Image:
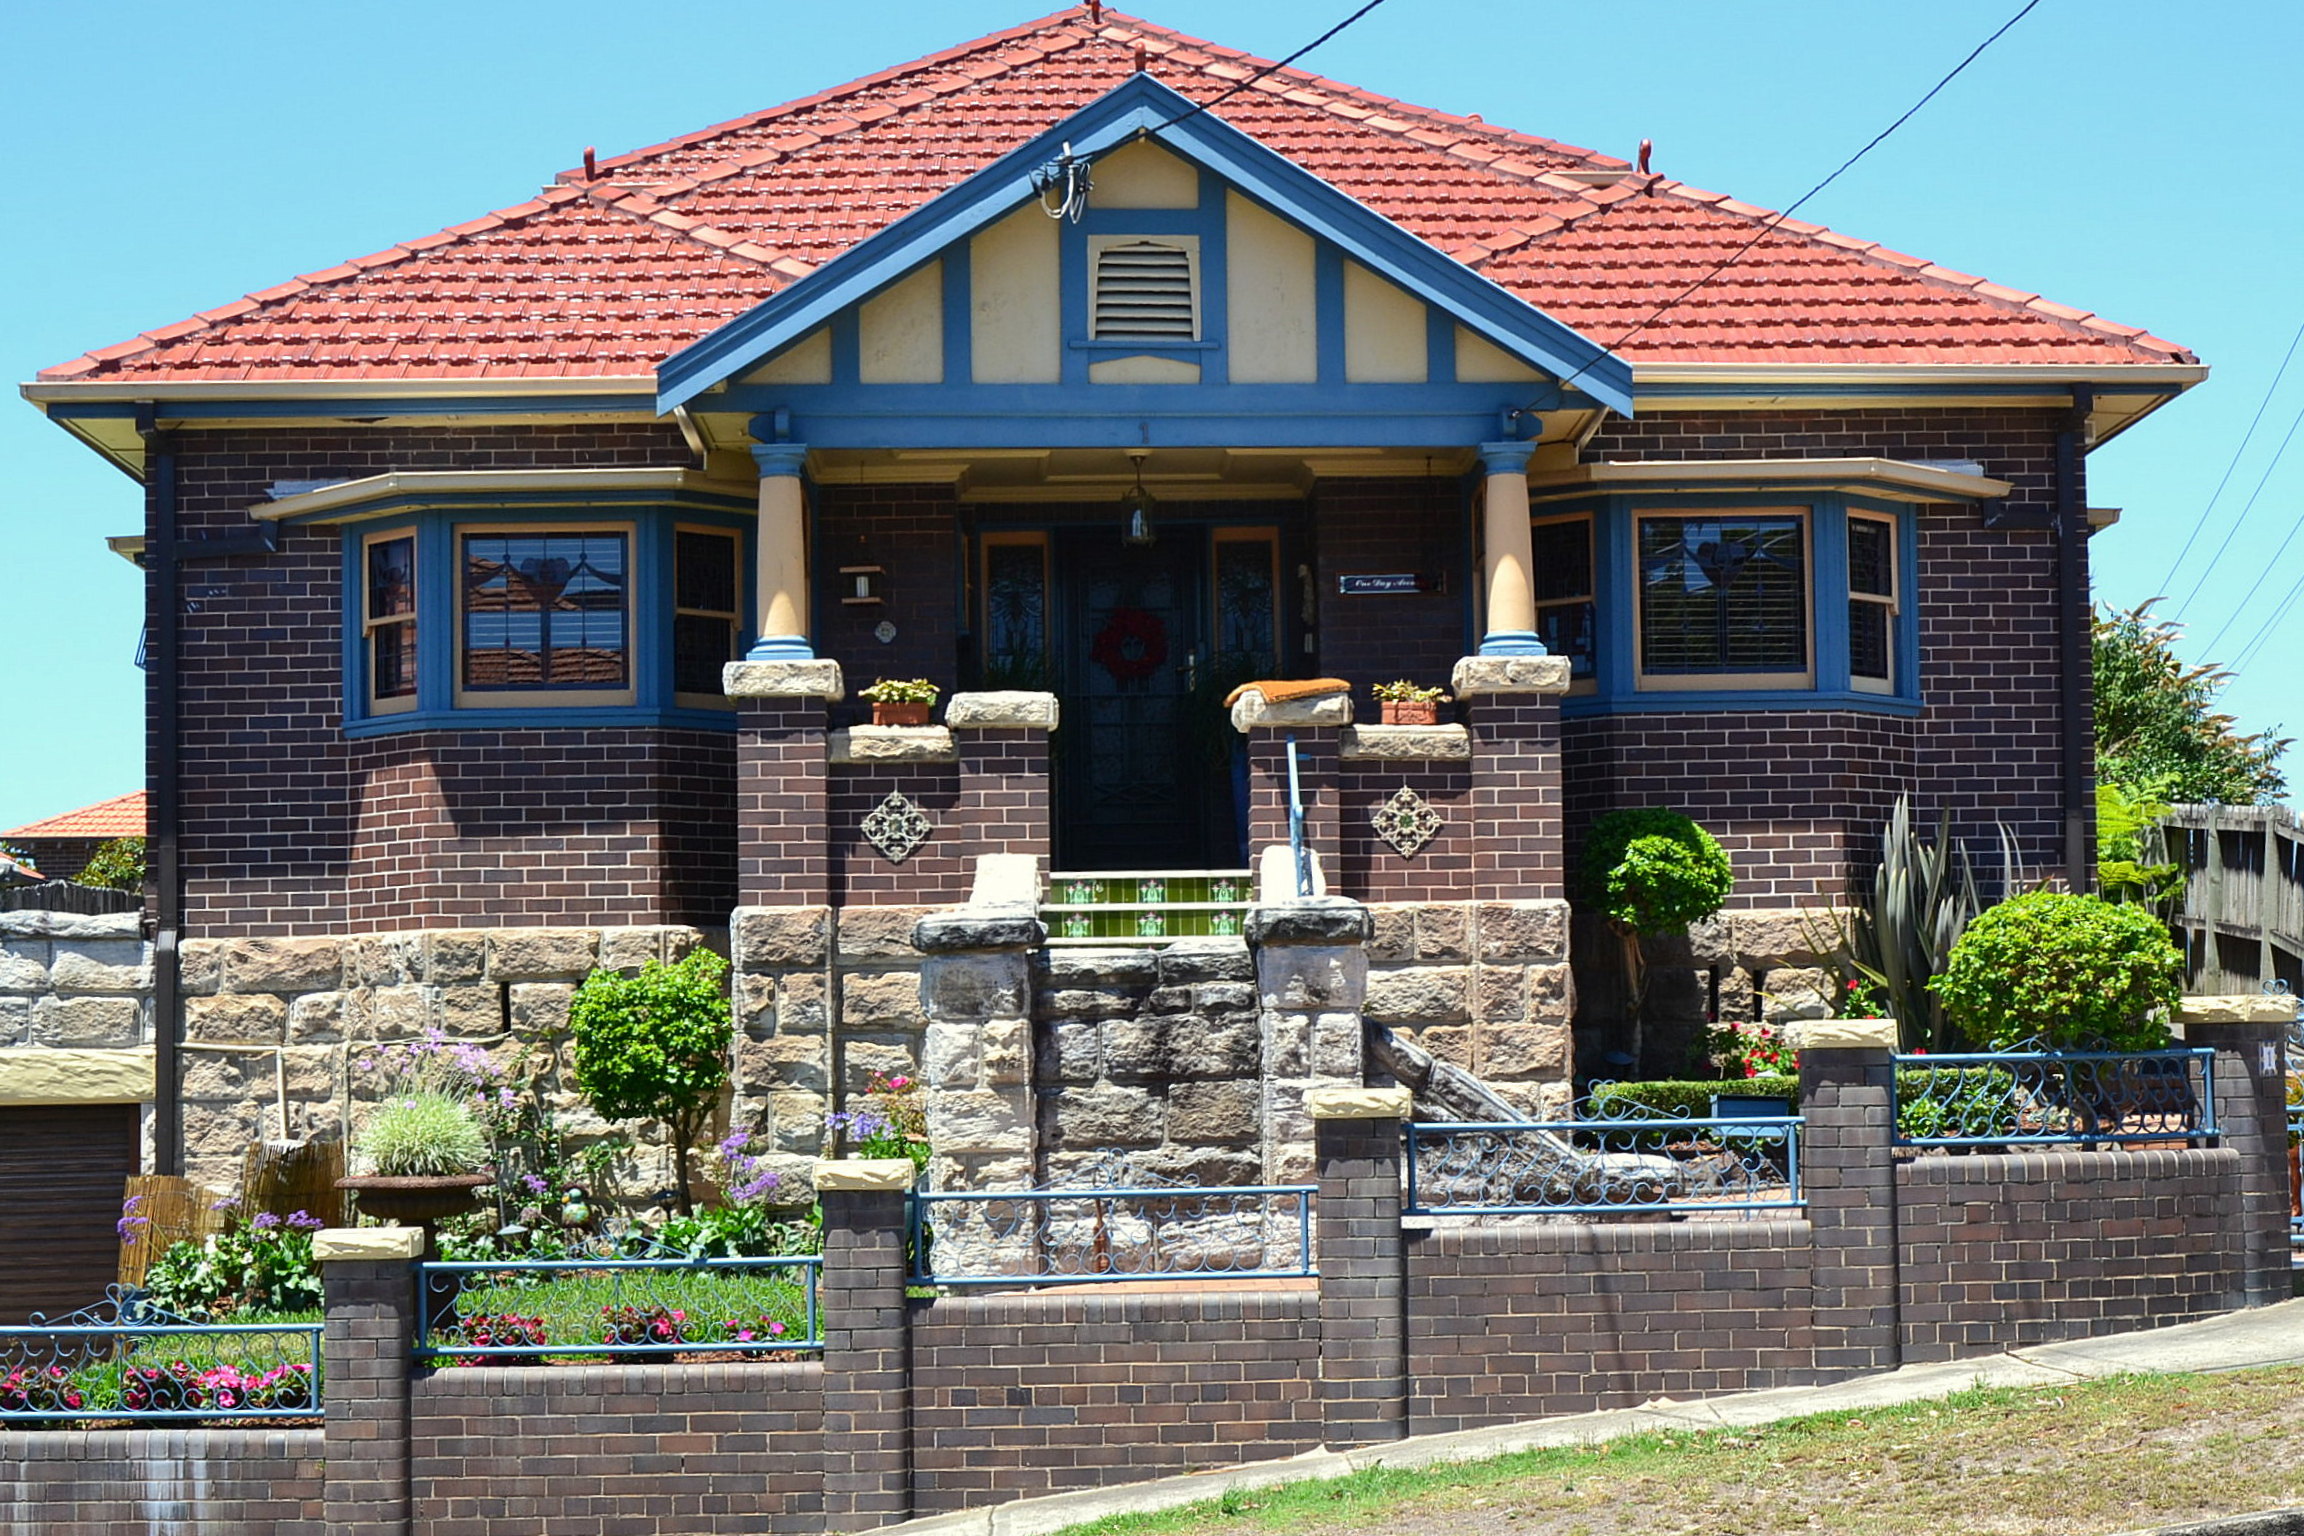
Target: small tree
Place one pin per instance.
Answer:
(116, 866)
(1651, 871)
(655, 1047)
(2067, 972)
(2157, 728)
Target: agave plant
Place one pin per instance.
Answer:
(1923, 897)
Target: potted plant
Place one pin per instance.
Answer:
(900, 700)
(1403, 703)
(422, 1147)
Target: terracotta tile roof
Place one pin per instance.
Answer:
(605, 278)
(121, 816)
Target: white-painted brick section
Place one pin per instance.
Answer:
(1358, 1103)
(865, 1174)
(354, 1244)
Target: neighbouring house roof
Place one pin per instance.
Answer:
(121, 816)
(603, 278)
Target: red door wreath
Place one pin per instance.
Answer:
(1132, 645)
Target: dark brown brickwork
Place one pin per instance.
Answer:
(1546, 1317)
(511, 1450)
(1015, 1396)
(867, 1446)
(1318, 771)
(2252, 1068)
(1392, 527)
(912, 533)
(1848, 1173)
(940, 871)
(783, 857)
(1003, 799)
(371, 1326)
(2004, 1251)
(1363, 1282)
(162, 1482)
(561, 827)
(1371, 869)
(1515, 802)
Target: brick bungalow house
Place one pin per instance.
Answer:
(541, 559)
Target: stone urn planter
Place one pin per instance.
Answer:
(416, 1199)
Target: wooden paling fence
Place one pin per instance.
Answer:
(2241, 920)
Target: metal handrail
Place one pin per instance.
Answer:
(1296, 824)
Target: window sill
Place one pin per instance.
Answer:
(544, 718)
(1578, 706)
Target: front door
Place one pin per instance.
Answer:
(1138, 769)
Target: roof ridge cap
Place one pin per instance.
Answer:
(295, 287)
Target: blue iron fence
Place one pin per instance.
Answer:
(627, 1308)
(1118, 1232)
(1623, 1165)
(127, 1359)
(2055, 1098)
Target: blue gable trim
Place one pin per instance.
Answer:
(1143, 106)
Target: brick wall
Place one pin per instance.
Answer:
(1015, 1396)
(1372, 869)
(1368, 527)
(1545, 1317)
(911, 532)
(162, 1482)
(2004, 1251)
(940, 870)
(694, 1448)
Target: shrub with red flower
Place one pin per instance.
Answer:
(32, 1389)
(1747, 1050)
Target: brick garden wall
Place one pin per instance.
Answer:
(1016, 1396)
(691, 1448)
(2006, 1250)
(161, 1482)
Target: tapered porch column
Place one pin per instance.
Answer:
(780, 555)
(1511, 591)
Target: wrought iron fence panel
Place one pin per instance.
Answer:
(620, 1306)
(1117, 1232)
(1620, 1166)
(2055, 1098)
(125, 1358)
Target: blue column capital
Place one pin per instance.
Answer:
(1505, 458)
(780, 459)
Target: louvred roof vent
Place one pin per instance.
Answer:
(1144, 292)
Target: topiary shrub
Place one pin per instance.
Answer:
(2067, 972)
(655, 1047)
(1650, 871)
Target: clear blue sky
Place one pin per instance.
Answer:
(2133, 158)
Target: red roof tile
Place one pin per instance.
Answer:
(607, 278)
(122, 816)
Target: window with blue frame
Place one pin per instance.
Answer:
(591, 621)
(1703, 602)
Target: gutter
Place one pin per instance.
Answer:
(161, 566)
(2075, 636)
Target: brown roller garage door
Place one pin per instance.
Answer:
(61, 1175)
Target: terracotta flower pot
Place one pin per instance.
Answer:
(900, 714)
(1410, 711)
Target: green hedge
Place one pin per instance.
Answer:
(1685, 1100)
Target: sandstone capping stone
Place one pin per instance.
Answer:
(1002, 710)
(283, 965)
(1404, 744)
(890, 744)
(780, 938)
(865, 1174)
(542, 954)
(366, 1245)
(1841, 1034)
(1336, 920)
(970, 928)
(783, 680)
(1358, 1103)
(1475, 676)
(1252, 711)
(71, 925)
(878, 933)
(39, 1076)
(2239, 1008)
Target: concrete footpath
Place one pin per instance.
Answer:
(2237, 1341)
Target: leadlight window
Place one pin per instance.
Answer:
(1562, 577)
(1724, 601)
(1015, 597)
(1872, 603)
(388, 621)
(545, 611)
(705, 611)
(1247, 603)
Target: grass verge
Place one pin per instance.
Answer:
(2111, 1455)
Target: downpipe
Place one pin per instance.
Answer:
(2075, 637)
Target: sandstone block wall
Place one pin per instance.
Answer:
(76, 982)
(1485, 985)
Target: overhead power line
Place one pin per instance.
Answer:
(2168, 581)
(2264, 568)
